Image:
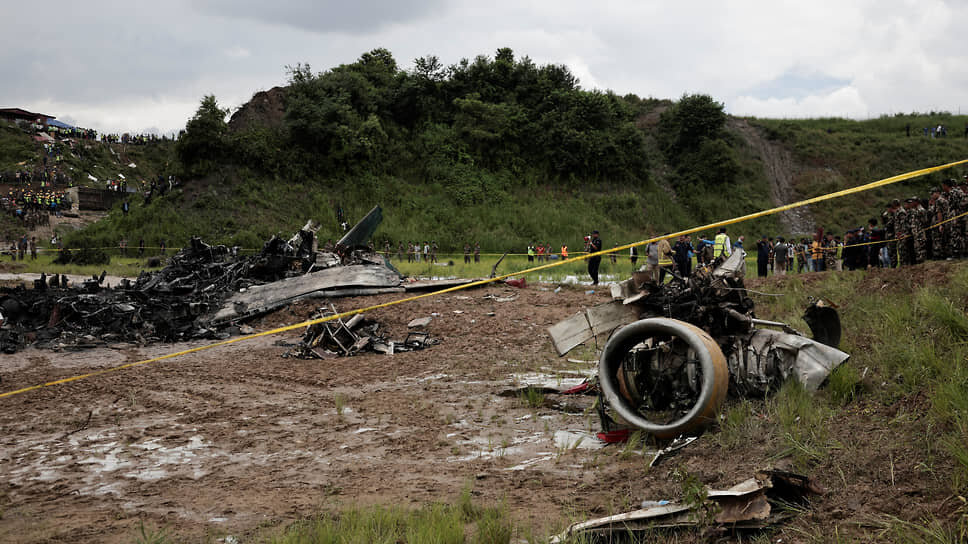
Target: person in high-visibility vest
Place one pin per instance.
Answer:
(665, 259)
(721, 244)
(564, 251)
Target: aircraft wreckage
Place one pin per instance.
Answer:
(679, 348)
(204, 291)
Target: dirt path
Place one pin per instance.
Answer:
(780, 170)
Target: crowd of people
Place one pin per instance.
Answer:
(34, 207)
(46, 178)
(132, 139)
(427, 252)
(544, 251)
(23, 246)
(919, 229)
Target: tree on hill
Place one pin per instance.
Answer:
(509, 117)
(202, 144)
(692, 135)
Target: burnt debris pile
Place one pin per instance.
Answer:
(179, 302)
(343, 338)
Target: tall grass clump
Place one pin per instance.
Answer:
(802, 419)
(459, 523)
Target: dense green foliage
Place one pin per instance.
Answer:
(202, 144)
(498, 151)
(692, 134)
(474, 127)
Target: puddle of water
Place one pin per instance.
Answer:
(547, 381)
(544, 456)
(581, 440)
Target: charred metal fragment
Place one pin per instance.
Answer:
(338, 338)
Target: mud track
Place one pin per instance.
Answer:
(780, 171)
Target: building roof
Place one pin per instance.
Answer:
(24, 113)
(55, 123)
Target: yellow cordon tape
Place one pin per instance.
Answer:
(814, 200)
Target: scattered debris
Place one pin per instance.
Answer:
(675, 446)
(758, 503)
(496, 298)
(338, 338)
(419, 322)
(682, 345)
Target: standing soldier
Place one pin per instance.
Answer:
(829, 253)
(400, 250)
(938, 212)
(889, 219)
(957, 205)
(905, 244)
(477, 252)
(917, 218)
(467, 253)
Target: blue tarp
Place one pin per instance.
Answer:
(58, 124)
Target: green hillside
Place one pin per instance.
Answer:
(833, 154)
(499, 151)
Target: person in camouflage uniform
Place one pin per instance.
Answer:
(830, 253)
(905, 243)
(938, 211)
(957, 204)
(889, 219)
(919, 222)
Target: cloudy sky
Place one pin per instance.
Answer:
(134, 65)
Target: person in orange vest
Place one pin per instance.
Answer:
(564, 251)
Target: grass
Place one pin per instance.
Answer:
(339, 400)
(461, 523)
(532, 397)
(148, 535)
(910, 342)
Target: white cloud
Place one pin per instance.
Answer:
(843, 102)
(125, 68)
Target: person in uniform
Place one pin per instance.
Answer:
(905, 244)
(830, 253)
(937, 230)
(957, 205)
(665, 258)
(889, 220)
(916, 216)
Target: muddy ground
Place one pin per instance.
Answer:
(241, 441)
